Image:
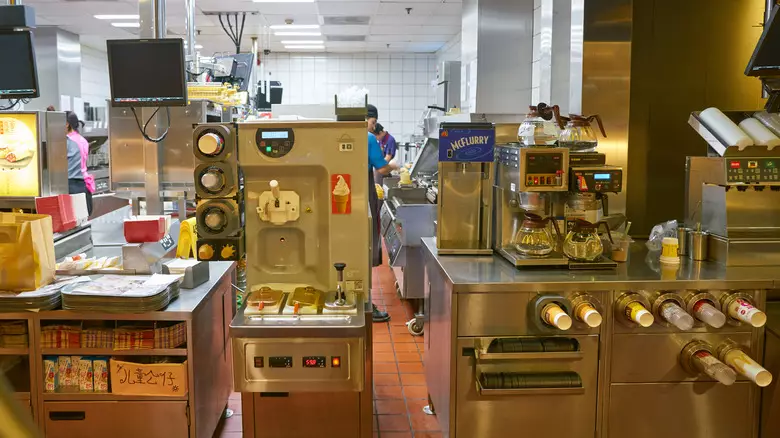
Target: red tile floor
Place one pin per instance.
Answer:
(399, 380)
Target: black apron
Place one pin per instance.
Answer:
(373, 205)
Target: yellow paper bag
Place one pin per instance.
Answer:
(27, 259)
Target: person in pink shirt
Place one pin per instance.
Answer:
(79, 180)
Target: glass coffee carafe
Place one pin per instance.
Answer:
(579, 136)
(539, 128)
(533, 238)
(582, 244)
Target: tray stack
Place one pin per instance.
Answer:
(122, 293)
(45, 298)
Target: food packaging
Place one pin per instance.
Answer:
(760, 134)
(588, 314)
(86, 383)
(65, 372)
(749, 368)
(620, 250)
(553, 315)
(725, 128)
(636, 312)
(742, 310)
(711, 366)
(708, 314)
(60, 208)
(675, 315)
(27, 259)
(100, 374)
(143, 229)
(49, 374)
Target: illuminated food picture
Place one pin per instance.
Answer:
(17, 143)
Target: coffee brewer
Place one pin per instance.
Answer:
(549, 182)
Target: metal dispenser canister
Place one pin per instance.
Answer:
(465, 204)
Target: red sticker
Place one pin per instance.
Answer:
(341, 194)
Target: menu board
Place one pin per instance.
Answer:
(18, 155)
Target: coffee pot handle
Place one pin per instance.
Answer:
(606, 225)
(597, 118)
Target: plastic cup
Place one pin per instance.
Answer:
(711, 366)
(708, 314)
(676, 316)
(620, 250)
(742, 310)
(588, 314)
(749, 368)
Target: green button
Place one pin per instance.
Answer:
(268, 148)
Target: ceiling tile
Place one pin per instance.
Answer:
(348, 8)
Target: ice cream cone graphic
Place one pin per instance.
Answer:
(341, 195)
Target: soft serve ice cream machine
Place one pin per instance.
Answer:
(300, 338)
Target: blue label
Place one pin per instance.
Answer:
(467, 145)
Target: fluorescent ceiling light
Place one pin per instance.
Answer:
(305, 47)
(118, 17)
(198, 46)
(302, 42)
(294, 26)
(298, 33)
(283, 1)
(126, 24)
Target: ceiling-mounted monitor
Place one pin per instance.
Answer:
(766, 56)
(19, 76)
(147, 72)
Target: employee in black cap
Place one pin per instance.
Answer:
(79, 180)
(376, 162)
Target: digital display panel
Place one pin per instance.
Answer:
(601, 176)
(314, 362)
(280, 362)
(272, 135)
(18, 79)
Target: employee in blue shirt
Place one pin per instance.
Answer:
(376, 162)
(388, 147)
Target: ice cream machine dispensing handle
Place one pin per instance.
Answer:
(341, 295)
(278, 206)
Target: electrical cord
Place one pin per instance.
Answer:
(13, 103)
(143, 130)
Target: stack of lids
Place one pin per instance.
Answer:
(122, 293)
(45, 298)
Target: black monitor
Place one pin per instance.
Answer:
(147, 72)
(18, 76)
(765, 61)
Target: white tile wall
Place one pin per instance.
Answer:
(95, 86)
(398, 84)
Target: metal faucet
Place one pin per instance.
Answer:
(341, 295)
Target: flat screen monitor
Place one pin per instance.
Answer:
(19, 76)
(147, 72)
(766, 57)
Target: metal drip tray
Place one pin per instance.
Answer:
(265, 295)
(306, 297)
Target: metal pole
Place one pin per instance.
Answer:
(189, 25)
(153, 26)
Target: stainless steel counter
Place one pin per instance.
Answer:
(475, 274)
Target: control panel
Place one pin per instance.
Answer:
(753, 170)
(544, 169)
(278, 365)
(275, 143)
(598, 179)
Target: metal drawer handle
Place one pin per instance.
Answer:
(568, 356)
(67, 416)
(529, 391)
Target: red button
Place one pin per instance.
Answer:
(536, 180)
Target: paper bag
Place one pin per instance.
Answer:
(27, 259)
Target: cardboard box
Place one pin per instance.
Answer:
(165, 379)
